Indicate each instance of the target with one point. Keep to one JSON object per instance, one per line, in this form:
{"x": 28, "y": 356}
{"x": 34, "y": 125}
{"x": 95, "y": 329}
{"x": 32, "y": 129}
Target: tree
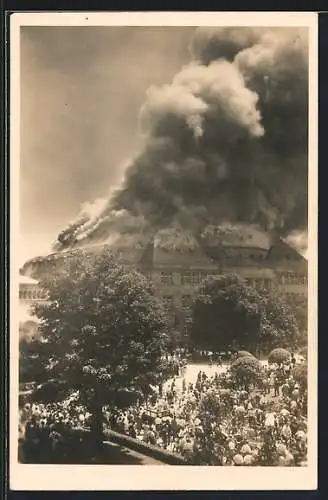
{"x": 278, "y": 356}
{"x": 241, "y": 354}
{"x": 300, "y": 374}
{"x": 282, "y": 316}
{"x": 239, "y": 315}
{"x": 105, "y": 332}
{"x": 31, "y": 361}
{"x": 246, "y": 370}
{"x": 299, "y": 305}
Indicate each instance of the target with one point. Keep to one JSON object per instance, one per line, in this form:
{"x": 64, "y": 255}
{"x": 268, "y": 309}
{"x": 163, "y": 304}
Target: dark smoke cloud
{"x": 226, "y": 141}
{"x": 81, "y": 90}
{"x": 210, "y": 44}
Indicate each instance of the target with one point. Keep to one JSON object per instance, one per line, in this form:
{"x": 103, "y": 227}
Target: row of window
{"x": 196, "y": 277}
{"x": 187, "y": 277}
{"x": 30, "y": 295}
{"x": 244, "y": 256}
{"x": 259, "y": 282}
{"x": 293, "y": 279}
{"x": 186, "y": 301}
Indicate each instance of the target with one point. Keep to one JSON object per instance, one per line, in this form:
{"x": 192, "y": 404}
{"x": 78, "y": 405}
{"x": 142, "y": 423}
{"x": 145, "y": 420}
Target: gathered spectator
{"x": 210, "y": 422}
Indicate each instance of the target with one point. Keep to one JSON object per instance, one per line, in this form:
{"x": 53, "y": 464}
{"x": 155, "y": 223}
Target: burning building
{"x": 221, "y": 181}
{"x": 177, "y": 270}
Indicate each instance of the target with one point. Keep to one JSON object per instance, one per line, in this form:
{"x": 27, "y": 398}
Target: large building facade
{"x": 261, "y": 258}
{"x": 29, "y": 294}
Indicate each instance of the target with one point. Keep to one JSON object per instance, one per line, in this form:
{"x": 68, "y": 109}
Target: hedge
{"x": 246, "y": 369}
{"x": 278, "y": 355}
{"x": 242, "y": 354}
{"x": 300, "y": 374}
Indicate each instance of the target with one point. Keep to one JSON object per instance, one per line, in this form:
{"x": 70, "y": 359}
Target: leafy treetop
{"x": 104, "y": 330}
{"x": 239, "y": 315}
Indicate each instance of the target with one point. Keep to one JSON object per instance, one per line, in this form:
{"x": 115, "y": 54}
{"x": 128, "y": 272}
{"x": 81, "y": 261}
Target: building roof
{"x": 237, "y": 235}
{"x": 177, "y": 247}
{"x": 26, "y": 280}
{"x": 193, "y": 258}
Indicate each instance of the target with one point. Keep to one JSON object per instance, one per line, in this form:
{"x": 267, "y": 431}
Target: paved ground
{"x": 192, "y": 370}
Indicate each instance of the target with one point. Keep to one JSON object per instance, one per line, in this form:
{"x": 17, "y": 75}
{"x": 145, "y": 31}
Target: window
{"x": 186, "y": 301}
{"x": 186, "y": 278}
{"x": 192, "y": 278}
{"x": 166, "y": 278}
{"x": 267, "y": 283}
{"x": 293, "y": 279}
{"x": 195, "y": 278}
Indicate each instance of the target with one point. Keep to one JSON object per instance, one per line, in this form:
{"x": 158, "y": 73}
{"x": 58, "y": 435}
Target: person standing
{"x": 272, "y": 382}
{"x": 276, "y": 385}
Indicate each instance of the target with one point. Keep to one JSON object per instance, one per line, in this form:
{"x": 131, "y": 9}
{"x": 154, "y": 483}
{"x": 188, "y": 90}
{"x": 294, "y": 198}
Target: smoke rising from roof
{"x": 226, "y": 141}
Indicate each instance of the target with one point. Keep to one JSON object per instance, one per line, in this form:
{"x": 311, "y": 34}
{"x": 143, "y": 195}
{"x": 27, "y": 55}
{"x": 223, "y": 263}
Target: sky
{"x": 81, "y": 92}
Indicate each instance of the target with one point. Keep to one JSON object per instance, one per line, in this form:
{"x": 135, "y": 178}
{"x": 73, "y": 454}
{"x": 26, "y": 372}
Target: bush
{"x": 278, "y": 356}
{"x": 300, "y": 374}
{"x": 303, "y": 351}
{"x": 242, "y": 354}
{"x": 246, "y": 370}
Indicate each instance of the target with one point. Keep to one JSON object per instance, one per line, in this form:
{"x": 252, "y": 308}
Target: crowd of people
{"x": 212, "y": 421}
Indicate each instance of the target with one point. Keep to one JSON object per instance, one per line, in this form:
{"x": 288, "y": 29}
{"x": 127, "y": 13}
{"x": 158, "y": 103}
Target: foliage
{"x": 239, "y": 315}
{"x": 282, "y": 316}
{"x": 300, "y": 374}
{"x": 299, "y": 305}
{"x": 31, "y": 361}
{"x": 303, "y": 351}
{"x": 105, "y": 330}
{"x": 241, "y": 354}
{"x": 246, "y": 370}
{"x": 278, "y": 356}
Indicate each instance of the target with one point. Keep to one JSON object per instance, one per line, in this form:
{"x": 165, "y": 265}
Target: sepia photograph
{"x": 163, "y": 250}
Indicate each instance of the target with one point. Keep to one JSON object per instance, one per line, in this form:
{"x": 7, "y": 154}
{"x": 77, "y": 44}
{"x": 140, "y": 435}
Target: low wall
{"x": 128, "y": 442}
{"x": 145, "y": 448}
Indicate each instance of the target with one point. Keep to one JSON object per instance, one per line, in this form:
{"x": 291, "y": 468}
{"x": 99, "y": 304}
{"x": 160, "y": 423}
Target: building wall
{"x": 177, "y": 275}
{"x": 29, "y": 294}
{"x": 176, "y": 285}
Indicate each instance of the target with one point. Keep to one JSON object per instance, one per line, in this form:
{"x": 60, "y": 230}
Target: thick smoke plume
{"x": 226, "y": 141}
